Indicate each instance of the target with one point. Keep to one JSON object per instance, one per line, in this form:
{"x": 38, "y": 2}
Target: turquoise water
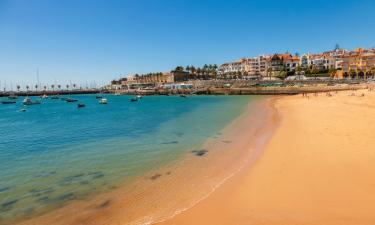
{"x": 55, "y": 152}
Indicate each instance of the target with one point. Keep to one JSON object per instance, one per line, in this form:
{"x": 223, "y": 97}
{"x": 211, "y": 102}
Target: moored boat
{"x": 134, "y": 99}
{"x": 80, "y": 105}
{"x": 8, "y": 102}
{"x": 71, "y": 100}
{"x": 28, "y": 101}
{"x": 103, "y": 101}
{"x": 12, "y": 96}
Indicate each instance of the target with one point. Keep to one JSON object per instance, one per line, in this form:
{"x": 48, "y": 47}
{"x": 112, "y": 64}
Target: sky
{"x": 95, "y": 41}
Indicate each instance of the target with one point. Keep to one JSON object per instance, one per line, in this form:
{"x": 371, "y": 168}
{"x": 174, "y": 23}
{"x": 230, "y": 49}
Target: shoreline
{"x": 263, "y": 135}
{"x": 316, "y": 169}
{"x": 213, "y": 87}
{"x": 124, "y": 203}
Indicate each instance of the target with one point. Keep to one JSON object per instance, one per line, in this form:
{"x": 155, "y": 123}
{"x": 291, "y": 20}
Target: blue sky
{"x": 91, "y": 40}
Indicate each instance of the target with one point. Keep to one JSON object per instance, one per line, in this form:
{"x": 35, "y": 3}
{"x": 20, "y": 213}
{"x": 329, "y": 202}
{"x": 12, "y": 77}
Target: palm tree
{"x": 239, "y": 75}
{"x": 45, "y": 88}
{"x": 67, "y": 87}
{"x": 372, "y": 71}
{"x": 209, "y": 69}
{"x": 59, "y": 86}
{"x": 269, "y": 72}
{"x": 53, "y": 87}
{"x": 205, "y": 70}
{"x": 36, "y": 87}
{"x": 27, "y": 88}
{"x": 18, "y": 88}
{"x": 179, "y": 69}
{"x": 193, "y": 70}
{"x": 199, "y": 72}
{"x": 352, "y": 73}
{"x": 74, "y": 86}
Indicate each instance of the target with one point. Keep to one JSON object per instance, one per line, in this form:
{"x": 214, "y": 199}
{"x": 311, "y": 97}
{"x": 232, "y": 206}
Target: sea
{"x": 54, "y": 153}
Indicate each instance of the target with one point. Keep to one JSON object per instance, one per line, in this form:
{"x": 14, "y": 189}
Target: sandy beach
{"x": 318, "y": 168}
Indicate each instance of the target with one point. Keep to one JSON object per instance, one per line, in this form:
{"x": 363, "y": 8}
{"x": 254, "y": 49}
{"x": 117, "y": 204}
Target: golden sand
{"x": 319, "y": 168}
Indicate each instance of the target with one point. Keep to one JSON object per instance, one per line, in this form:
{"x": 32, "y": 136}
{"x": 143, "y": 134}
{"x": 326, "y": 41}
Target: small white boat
{"x": 44, "y": 96}
{"x": 139, "y": 96}
{"x": 28, "y": 101}
{"x": 103, "y": 101}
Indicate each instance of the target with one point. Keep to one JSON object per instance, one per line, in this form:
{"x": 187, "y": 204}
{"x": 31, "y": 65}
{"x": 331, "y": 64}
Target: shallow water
{"x": 54, "y": 152}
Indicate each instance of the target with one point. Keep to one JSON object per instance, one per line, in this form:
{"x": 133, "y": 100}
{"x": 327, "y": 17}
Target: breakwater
{"x": 255, "y": 90}
{"x": 39, "y": 93}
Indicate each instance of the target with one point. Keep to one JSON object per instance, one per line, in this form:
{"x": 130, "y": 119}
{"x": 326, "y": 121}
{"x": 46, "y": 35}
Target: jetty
{"x": 50, "y": 92}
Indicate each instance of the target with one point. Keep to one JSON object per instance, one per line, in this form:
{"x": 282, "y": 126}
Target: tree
{"x": 282, "y": 74}
{"x": 269, "y": 72}
{"x": 372, "y": 70}
{"x": 192, "y": 69}
{"x": 205, "y": 70}
{"x": 199, "y": 70}
{"x": 179, "y": 69}
{"x": 314, "y": 71}
{"x": 18, "y": 88}
{"x": 45, "y": 87}
{"x": 298, "y": 69}
{"x": 67, "y": 87}
{"x": 59, "y": 86}
{"x": 239, "y": 74}
{"x": 352, "y": 73}
{"x": 214, "y": 74}
{"x": 53, "y": 87}
{"x": 27, "y": 87}
{"x": 36, "y": 87}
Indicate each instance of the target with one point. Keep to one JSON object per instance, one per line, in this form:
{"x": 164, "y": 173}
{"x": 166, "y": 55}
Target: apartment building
{"x": 359, "y": 63}
{"x": 232, "y": 67}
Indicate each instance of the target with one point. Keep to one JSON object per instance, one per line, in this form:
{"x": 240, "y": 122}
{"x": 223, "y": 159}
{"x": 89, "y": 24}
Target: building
{"x": 324, "y": 61}
{"x": 179, "y": 76}
{"x": 359, "y": 63}
{"x": 145, "y": 80}
{"x": 233, "y": 67}
{"x": 318, "y": 62}
{"x": 257, "y": 66}
{"x": 247, "y": 67}
{"x": 283, "y": 62}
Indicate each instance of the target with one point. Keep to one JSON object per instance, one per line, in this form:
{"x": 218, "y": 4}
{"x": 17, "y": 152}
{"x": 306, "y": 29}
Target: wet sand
{"x": 174, "y": 188}
{"x": 318, "y": 168}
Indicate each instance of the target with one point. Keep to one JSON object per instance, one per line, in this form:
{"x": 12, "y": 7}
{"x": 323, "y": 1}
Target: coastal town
{"x": 335, "y": 66}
